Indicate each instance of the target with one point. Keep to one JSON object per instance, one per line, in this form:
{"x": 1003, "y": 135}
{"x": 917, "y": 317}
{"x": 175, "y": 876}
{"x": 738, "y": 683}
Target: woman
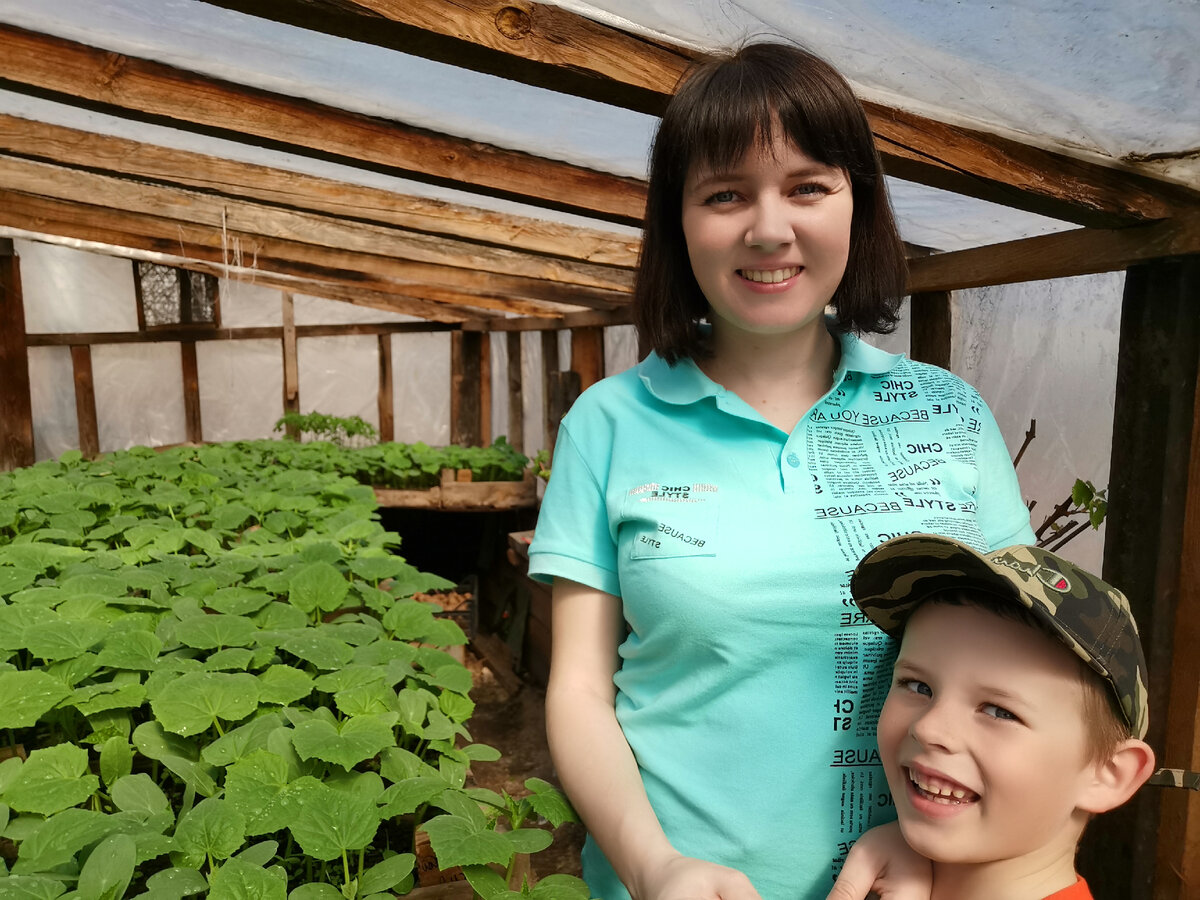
{"x": 713, "y": 692}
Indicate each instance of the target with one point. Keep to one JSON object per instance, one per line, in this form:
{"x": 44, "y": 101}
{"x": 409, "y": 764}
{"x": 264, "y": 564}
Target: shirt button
{"x": 793, "y": 460}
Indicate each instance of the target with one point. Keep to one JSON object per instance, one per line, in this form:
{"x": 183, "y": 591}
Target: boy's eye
{"x": 915, "y": 686}
{"x": 998, "y": 712}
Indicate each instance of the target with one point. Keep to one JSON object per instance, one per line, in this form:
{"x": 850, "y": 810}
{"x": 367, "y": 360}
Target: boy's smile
{"x": 983, "y": 740}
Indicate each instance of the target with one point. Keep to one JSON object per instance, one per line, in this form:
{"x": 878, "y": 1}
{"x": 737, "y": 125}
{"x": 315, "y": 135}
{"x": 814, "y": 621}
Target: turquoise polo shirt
{"x": 749, "y": 683}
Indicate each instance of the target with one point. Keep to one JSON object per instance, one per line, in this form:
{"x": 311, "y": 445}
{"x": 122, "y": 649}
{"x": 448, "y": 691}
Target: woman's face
{"x": 768, "y": 239}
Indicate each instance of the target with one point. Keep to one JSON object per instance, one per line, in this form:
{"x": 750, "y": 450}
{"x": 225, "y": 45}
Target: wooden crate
{"x": 458, "y": 492}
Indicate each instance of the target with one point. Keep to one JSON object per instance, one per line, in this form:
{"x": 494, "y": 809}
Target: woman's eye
{"x": 810, "y": 189}
{"x": 721, "y": 197}
{"x": 915, "y": 686}
{"x": 998, "y": 712}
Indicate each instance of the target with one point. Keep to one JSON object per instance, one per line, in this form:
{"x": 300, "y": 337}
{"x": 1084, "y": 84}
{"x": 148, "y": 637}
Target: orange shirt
{"x": 1077, "y": 891}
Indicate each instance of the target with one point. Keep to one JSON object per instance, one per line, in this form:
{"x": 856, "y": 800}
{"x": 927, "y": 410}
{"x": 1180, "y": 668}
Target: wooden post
{"x": 16, "y": 405}
{"x": 516, "y": 414}
{"x": 85, "y": 400}
{"x": 550, "y": 368}
{"x": 465, "y": 418}
{"x": 1146, "y": 549}
{"x": 291, "y": 369}
{"x": 587, "y": 354}
{"x": 485, "y": 389}
{"x": 932, "y": 325}
{"x": 387, "y": 418}
{"x": 191, "y": 393}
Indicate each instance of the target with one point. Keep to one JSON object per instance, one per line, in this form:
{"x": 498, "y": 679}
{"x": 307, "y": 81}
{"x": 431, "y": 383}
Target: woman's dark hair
{"x": 723, "y": 108}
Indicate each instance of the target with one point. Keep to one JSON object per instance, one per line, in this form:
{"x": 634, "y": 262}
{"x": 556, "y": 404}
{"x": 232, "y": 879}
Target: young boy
{"x": 1016, "y": 712}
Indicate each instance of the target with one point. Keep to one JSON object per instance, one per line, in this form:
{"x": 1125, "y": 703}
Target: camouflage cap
{"x": 1090, "y": 617}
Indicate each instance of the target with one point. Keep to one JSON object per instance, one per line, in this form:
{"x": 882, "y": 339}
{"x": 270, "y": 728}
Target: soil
{"x": 514, "y": 723}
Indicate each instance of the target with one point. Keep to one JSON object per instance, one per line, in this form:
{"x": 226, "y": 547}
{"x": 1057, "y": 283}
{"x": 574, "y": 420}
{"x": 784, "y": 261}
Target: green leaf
{"x": 529, "y": 840}
{"x": 316, "y": 891}
{"x": 232, "y": 659}
{"x": 239, "y": 601}
{"x": 194, "y": 702}
{"x": 347, "y": 743}
{"x": 63, "y": 639}
{"x": 487, "y": 883}
{"x": 137, "y": 650}
{"x": 173, "y": 884}
{"x": 177, "y": 754}
{"x": 13, "y": 579}
{"x": 409, "y": 620}
{"x": 283, "y": 685}
{"x": 240, "y": 880}
{"x": 365, "y": 700}
{"x": 549, "y": 802}
{"x": 28, "y": 697}
{"x": 407, "y": 796}
{"x": 1082, "y": 492}
{"x": 57, "y": 840}
{"x": 230, "y": 516}
{"x": 256, "y": 786}
{"x": 211, "y": 828}
{"x": 318, "y": 586}
{"x": 139, "y": 793}
{"x": 456, "y": 706}
{"x": 52, "y": 779}
{"x": 242, "y": 741}
{"x": 31, "y": 887}
{"x": 462, "y": 842}
{"x": 328, "y": 822}
{"x": 322, "y": 652}
{"x": 481, "y": 753}
{"x": 387, "y": 874}
{"x": 259, "y": 854}
{"x": 116, "y": 759}
{"x": 202, "y": 540}
{"x": 211, "y": 632}
{"x": 560, "y": 887}
{"x": 109, "y": 868}
{"x": 453, "y": 676}
{"x": 97, "y": 698}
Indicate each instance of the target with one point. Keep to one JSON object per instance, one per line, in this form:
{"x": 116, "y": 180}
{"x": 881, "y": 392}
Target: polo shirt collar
{"x": 684, "y": 383}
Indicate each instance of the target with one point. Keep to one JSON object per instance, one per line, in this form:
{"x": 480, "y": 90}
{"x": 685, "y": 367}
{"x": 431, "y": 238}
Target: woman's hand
{"x": 686, "y": 878}
{"x": 881, "y": 862}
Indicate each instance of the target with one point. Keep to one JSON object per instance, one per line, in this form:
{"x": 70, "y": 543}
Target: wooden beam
{"x": 516, "y": 412}
{"x": 1062, "y": 255}
{"x": 257, "y": 333}
{"x": 298, "y": 191}
{"x": 139, "y": 231}
{"x": 623, "y": 316}
{"x": 932, "y": 322}
{"x": 587, "y": 355}
{"x": 244, "y": 217}
{"x": 485, "y": 390}
{"x": 16, "y": 405}
{"x": 85, "y": 401}
{"x": 550, "y": 372}
{"x": 1149, "y": 497}
{"x": 549, "y": 47}
{"x": 291, "y": 370}
{"x": 194, "y": 427}
{"x": 387, "y": 415}
{"x": 465, "y": 402}
{"x": 71, "y": 72}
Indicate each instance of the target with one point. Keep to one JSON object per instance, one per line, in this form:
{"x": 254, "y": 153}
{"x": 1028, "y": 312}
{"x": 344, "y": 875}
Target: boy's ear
{"x": 1116, "y": 777}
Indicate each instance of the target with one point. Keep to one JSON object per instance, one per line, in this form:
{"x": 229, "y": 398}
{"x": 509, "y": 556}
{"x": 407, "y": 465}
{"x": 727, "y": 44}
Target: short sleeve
{"x": 1001, "y": 512}
{"x": 573, "y": 538}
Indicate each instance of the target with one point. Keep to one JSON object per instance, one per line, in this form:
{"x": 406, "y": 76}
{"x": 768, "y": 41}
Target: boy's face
{"x": 982, "y": 738}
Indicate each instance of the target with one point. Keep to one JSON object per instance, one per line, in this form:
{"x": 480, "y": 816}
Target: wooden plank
{"x": 387, "y": 423}
{"x": 546, "y": 46}
{"x": 621, "y": 316}
{"x": 253, "y": 218}
{"x": 296, "y": 190}
{"x": 497, "y": 656}
{"x": 266, "y": 332}
{"x": 139, "y": 231}
{"x": 1148, "y": 499}
{"x": 291, "y": 369}
{"x": 1068, "y": 253}
{"x": 1177, "y": 867}
{"x": 457, "y": 492}
{"x": 587, "y": 355}
{"x": 151, "y": 91}
{"x": 194, "y": 427}
{"x": 16, "y": 405}
{"x": 516, "y": 412}
{"x": 464, "y": 388}
{"x": 85, "y": 401}
{"x": 550, "y": 372}
{"x": 932, "y": 325}
{"x": 485, "y": 390}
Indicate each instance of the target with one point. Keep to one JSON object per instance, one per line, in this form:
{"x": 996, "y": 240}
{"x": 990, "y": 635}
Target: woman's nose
{"x": 769, "y": 226}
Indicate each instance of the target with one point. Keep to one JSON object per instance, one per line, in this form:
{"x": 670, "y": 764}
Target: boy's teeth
{"x": 940, "y": 790}
{"x": 770, "y": 276}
